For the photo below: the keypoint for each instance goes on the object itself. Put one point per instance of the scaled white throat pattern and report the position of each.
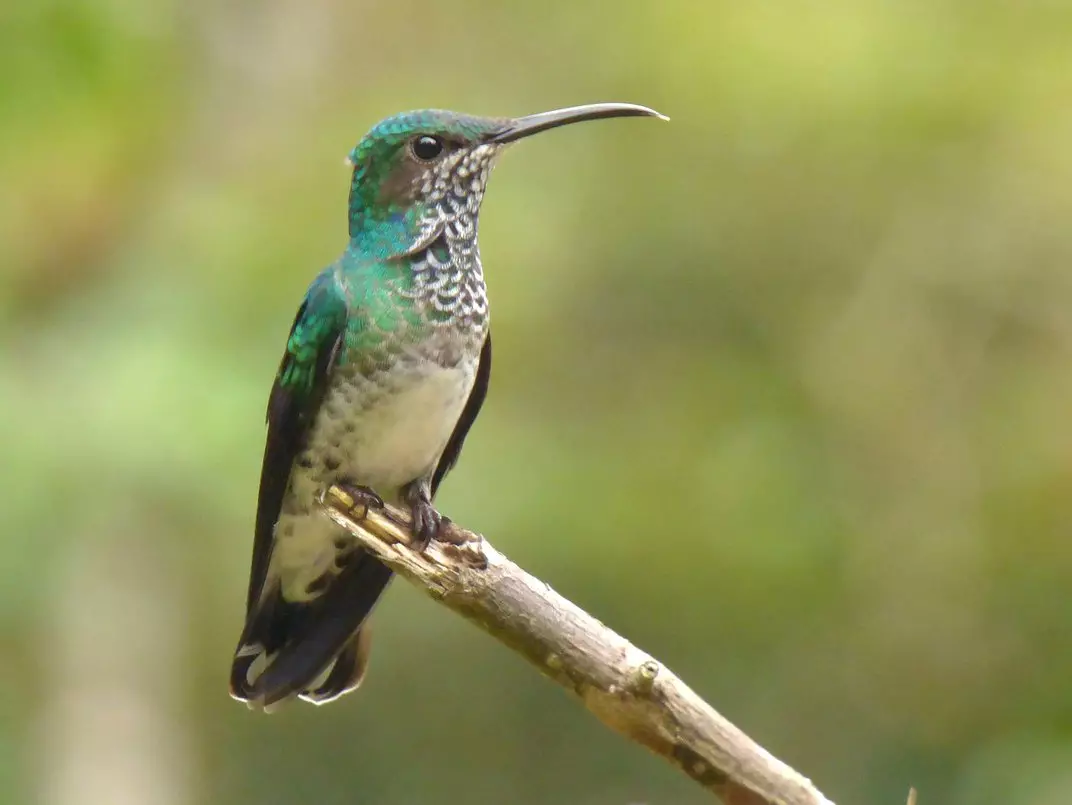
(453, 192)
(455, 285)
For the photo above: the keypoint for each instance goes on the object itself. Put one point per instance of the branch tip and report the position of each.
(582, 654)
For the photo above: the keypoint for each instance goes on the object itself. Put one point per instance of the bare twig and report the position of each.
(628, 690)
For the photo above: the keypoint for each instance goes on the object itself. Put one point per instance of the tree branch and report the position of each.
(628, 690)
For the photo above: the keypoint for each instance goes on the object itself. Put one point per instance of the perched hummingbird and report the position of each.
(385, 369)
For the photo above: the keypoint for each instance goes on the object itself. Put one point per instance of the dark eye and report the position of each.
(426, 147)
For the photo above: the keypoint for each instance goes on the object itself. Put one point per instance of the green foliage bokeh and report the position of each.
(781, 392)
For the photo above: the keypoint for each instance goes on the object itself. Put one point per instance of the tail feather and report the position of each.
(315, 649)
(344, 674)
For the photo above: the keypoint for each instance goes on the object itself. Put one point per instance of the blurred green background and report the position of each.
(782, 389)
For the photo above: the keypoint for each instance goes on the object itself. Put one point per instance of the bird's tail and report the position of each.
(318, 649)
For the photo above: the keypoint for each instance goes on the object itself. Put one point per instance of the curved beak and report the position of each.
(534, 124)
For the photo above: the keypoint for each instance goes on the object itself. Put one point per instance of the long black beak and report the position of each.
(534, 124)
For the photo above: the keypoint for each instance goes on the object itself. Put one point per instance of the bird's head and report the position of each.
(417, 173)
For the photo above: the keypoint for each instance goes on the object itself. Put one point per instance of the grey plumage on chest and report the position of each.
(383, 430)
(389, 428)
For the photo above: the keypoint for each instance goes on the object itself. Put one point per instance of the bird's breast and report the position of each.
(381, 431)
(391, 428)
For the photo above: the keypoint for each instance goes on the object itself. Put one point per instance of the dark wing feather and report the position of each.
(465, 421)
(312, 348)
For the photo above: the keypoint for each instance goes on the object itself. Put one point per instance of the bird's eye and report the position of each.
(426, 147)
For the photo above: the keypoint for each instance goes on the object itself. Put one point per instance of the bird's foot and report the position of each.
(428, 524)
(362, 497)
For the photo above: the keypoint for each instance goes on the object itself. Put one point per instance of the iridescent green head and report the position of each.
(417, 173)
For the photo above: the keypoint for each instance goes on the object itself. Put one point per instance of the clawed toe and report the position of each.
(427, 523)
(363, 497)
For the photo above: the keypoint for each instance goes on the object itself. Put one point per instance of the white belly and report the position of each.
(401, 437)
(380, 434)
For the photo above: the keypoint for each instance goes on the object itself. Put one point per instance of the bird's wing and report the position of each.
(465, 421)
(312, 348)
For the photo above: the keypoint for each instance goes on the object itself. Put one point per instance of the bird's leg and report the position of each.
(362, 496)
(427, 522)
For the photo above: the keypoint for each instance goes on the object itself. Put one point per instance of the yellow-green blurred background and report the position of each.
(783, 389)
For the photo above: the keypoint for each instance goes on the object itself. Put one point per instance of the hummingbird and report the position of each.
(385, 369)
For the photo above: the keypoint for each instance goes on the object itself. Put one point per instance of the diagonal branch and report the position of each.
(629, 691)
